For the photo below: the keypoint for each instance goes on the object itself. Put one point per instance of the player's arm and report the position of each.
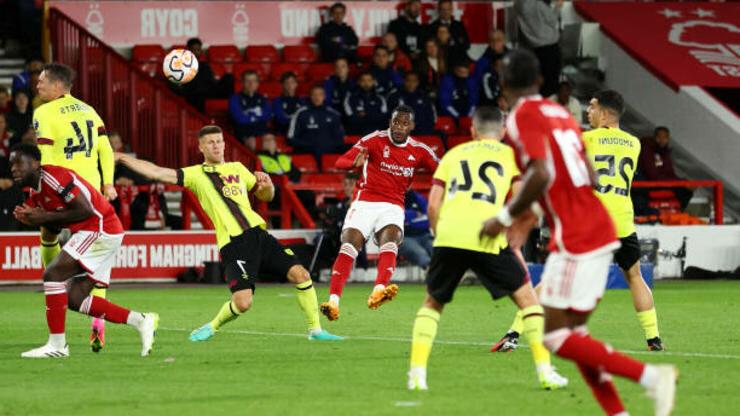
(148, 169)
(107, 166)
(263, 189)
(436, 195)
(353, 158)
(76, 210)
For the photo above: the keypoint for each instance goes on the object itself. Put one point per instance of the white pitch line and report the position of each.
(447, 342)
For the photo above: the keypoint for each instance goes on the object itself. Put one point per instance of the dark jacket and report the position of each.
(425, 115)
(317, 130)
(18, 123)
(283, 109)
(457, 31)
(337, 90)
(250, 114)
(416, 221)
(365, 112)
(337, 41)
(458, 96)
(387, 80)
(410, 35)
(656, 164)
(428, 76)
(489, 86)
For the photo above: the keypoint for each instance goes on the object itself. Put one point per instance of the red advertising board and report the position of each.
(243, 23)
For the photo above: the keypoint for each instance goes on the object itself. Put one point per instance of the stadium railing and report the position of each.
(717, 190)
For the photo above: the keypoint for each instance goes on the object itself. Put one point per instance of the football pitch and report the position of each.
(262, 364)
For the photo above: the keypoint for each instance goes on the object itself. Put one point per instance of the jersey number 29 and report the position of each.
(84, 144)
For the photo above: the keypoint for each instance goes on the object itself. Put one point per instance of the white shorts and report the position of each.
(96, 253)
(371, 217)
(575, 284)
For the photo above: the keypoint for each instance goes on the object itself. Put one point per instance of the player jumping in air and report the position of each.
(58, 199)
(549, 150)
(70, 134)
(388, 160)
(469, 186)
(247, 250)
(614, 153)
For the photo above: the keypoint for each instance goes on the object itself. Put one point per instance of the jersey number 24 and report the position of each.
(84, 144)
(483, 174)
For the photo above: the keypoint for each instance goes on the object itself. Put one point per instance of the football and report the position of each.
(180, 66)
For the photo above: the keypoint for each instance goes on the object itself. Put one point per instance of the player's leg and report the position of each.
(309, 304)
(389, 238)
(510, 341)
(50, 247)
(97, 333)
(353, 240)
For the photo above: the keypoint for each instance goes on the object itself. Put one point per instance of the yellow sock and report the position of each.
(425, 329)
(309, 304)
(226, 314)
(649, 322)
(518, 324)
(49, 250)
(533, 324)
(99, 292)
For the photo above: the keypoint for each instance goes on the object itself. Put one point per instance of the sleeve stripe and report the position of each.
(50, 179)
(44, 140)
(438, 182)
(102, 131)
(180, 177)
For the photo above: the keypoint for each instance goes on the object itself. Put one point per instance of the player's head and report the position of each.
(211, 143)
(488, 123)
(402, 122)
(521, 74)
(606, 107)
(55, 80)
(25, 162)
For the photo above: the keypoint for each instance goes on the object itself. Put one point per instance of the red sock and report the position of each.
(56, 306)
(603, 389)
(342, 268)
(589, 352)
(386, 263)
(101, 308)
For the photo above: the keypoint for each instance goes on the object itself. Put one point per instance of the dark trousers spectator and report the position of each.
(550, 63)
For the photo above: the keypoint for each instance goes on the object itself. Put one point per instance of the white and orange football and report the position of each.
(180, 66)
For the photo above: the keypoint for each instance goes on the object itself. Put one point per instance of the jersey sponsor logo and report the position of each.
(397, 170)
(230, 178)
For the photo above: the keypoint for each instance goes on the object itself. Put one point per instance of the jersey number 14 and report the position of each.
(84, 144)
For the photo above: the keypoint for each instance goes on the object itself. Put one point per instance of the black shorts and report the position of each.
(629, 253)
(501, 274)
(252, 253)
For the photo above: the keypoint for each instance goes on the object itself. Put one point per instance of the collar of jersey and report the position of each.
(211, 168)
(521, 100)
(390, 139)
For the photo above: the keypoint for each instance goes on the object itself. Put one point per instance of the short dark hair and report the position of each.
(661, 128)
(403, 108)
(521, 69)
(193, 41)
(250, 72)
(337, 5)
(611, 100)
(381, 47)
(209, 129)
(488, 114)
(440, 2)
(287, 74)
(363, 73)
(27, 150)
(316, 86)
(411, 74)
(60, 72)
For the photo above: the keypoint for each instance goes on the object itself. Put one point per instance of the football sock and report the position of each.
(533, 324)
(425, 329)
(56, 311)
(584, 350)
(49, 250)
(306, 295)
(101, 308)
(226, 314)
(603, 389)
(342, 268)
(518, 324)
(386, 263)
(649, 322)
(100, 292)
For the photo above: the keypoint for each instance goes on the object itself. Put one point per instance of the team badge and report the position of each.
(386, 151)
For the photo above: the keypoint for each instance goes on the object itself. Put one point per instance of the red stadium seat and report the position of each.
(220, 69)
(279, 69)
(434, 142)
(262, 53)
(299, 53)
(271, 89)
(151, 68)
(304, 89)
(365, 53)
(465, 123)
(446, 124)
(218, 110)
(147, 53)
(453, 141)
(664, 200)
(282, 144)
(224, 54)
(305, 163)
(352, 139)
(319, 72)
(328, 162)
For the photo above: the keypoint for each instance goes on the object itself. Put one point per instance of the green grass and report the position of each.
(259, 365)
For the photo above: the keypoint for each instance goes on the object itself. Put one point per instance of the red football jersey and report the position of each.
(389, 168)
(541, 129)
(58, 186)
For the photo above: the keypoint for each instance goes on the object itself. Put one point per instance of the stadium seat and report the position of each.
(279, 69)
(151, 68)
(453, 141)
(664, 200)
(218, 110)
(147, 53)
(434, 142)
(328, 161)
(299, 53)
(305, 163)
(262, 54)
(271, 89)
(220, 69)
(365, 53)
(224, 54)
(352, 139)
(465, 123)
(446, 124)
(304, 89)
(319, 72)
(282, 144)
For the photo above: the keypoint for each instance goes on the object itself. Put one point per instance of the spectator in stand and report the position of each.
(453, 52)
(417, 240)
(539, 24)
(317, 128)
(365, 109)
(336, 38)
(399, 60)
(431, 66)
(494, 53)
(656, 163)
(5, 101)
(250, 142)
(249, 110)
(287, 104)
(36, 100)
(387, 80)
(489, 83)
(564, 98)
(10, 197)
(446, 17)
(339, 85)
(4, 138)
(458, 94)
(408, 30)
(20, 118)
(204, 85)
(23, 80)
(425, 114)
(275, 162)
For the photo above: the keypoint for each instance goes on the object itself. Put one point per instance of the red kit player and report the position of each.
(61, 199)
(388, 160)
(549, 150)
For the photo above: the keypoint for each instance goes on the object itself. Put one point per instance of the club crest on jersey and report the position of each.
(386, 151)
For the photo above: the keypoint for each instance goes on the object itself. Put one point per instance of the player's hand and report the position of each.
(109, 191)
(30, 216)
(491, 229)
(360, 158)
(118, 156)
(263, 179)
(518, 233)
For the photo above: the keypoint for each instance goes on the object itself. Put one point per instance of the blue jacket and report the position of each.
(365, 111)
(21, 81)
(387, 80)
(250, 114)
(317, 130)
(283, 108)
(416, 221)
(337, 90)
(425, 115)
(458, 96)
